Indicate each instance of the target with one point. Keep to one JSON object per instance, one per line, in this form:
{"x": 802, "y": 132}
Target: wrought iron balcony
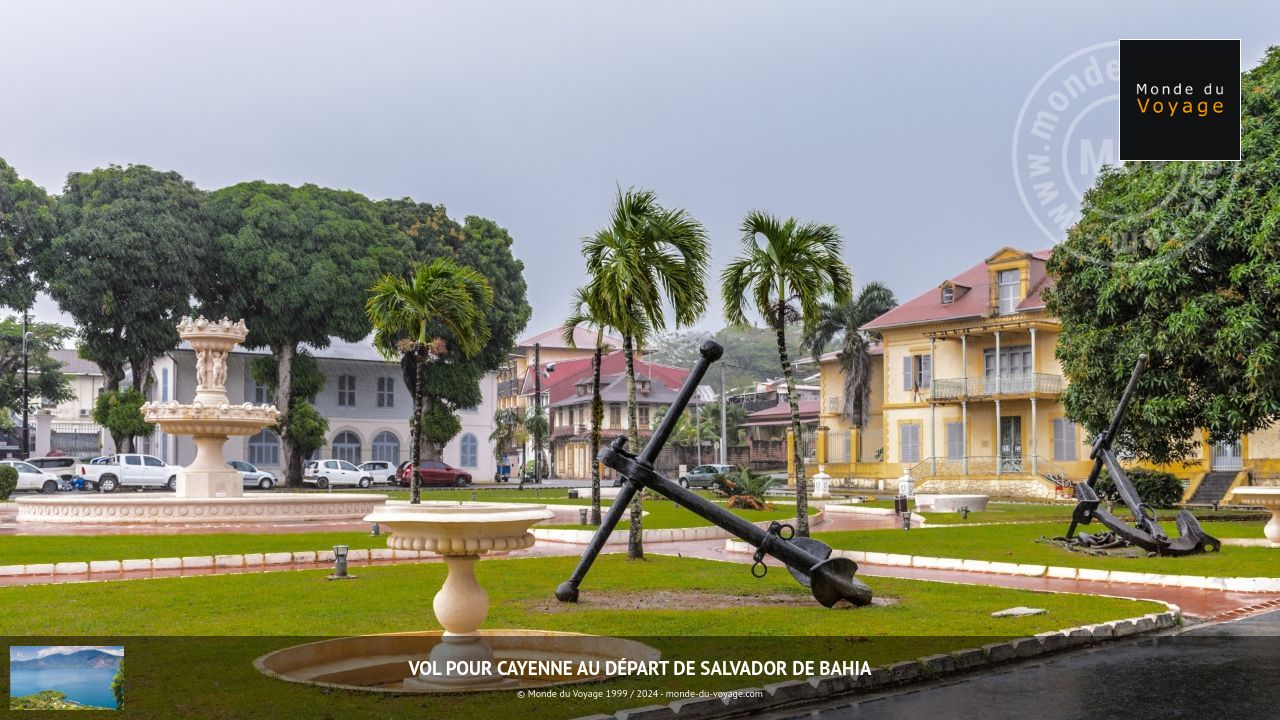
{"x": 1020, "y": 385}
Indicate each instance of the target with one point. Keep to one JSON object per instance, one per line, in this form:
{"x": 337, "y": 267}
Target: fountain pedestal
{"x": 1266, "y": 497}
{"x": 460, "y": 533}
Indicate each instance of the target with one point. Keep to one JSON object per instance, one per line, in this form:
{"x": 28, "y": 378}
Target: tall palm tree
{"x": 586, "y": 311}
{"x": 786, "y": 269}
{"x": 845, "y": 320}
{"x": 646, "y": 258}
{"x": 407, "y": 312}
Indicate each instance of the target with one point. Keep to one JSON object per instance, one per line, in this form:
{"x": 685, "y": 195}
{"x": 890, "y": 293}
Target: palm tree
{"x": 504, "y": 433}
{"x": 586, "y": 311}
{"x": 407, "y": 313}
{"x": 645, "y": 258}
{"x": 786, "y": 277}
{"x": 844, "y": 320}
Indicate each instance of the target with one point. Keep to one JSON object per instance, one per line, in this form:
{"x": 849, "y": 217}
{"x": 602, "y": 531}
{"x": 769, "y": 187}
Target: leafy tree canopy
{"x": 307, "y": 377}
{"x": 120, "y": 412}
{"x": 44, "y": 374}
{"x": 130, "y": 246}
{"x": 1180, "y": 261}
{"x": 750, "y": 353}
{"x": 26, "y": 224}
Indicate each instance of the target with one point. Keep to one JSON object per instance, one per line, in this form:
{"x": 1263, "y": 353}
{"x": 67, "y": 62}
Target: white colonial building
{"x": 364, "y": 399}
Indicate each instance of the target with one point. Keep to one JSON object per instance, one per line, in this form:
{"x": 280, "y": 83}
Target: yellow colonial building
{"x": 965, "y": 398}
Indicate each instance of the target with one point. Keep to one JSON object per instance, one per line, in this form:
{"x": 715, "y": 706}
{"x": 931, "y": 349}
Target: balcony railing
{"x": 986, "y": 466}
{"x": 1006, "y": 385}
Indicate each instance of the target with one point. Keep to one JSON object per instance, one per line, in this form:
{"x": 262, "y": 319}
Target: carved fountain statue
{"x": 208, "y": 490}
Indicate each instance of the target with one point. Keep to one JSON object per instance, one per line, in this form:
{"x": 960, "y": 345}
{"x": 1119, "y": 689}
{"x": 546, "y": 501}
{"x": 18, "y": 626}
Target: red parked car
{"x": 434, "y": 472}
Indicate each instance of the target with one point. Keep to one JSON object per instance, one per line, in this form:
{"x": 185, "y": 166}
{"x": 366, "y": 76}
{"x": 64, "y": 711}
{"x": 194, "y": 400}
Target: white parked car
{"x": 31, "y": 477}
{"x": 381, "y": 470}
{"x": 326, "y": 473}
{"x": 252, "y": 476}
{"x": 64, "y": 466}
{"x": 131, "y": 469}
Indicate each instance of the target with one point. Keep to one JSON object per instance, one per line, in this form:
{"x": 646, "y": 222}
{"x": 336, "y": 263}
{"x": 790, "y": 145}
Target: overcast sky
{"x": 892, "y": 120}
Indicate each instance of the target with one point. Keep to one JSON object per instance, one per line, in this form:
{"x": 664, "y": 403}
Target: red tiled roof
{"x": 783, "y": 411}
{"x": 559, "y": 384}
{"x": 973, "y": 302}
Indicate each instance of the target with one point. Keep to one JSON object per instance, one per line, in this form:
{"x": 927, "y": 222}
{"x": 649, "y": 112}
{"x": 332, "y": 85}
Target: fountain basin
{"x": 168, "y": 508}
{"x": 1266, "y": 497}
{"x": 459, "y": 528}
{"x": 380, "y": 663}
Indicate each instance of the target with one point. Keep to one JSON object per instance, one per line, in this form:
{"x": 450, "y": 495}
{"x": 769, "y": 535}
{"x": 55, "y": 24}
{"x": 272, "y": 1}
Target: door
{"x": 1015, "y": 370}
{"x": 157, "y": 472}
{"x": 132, "y": 472}
{"x": 350, "y": 473}
{"x": 1011, "y": 443}
{"x": 1227, "y": 456}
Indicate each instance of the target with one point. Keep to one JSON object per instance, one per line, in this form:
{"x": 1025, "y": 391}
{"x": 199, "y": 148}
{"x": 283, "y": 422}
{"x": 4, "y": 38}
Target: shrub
{"x": 744, "y": 490}
{"x": 1156, "y": 488}
{"x": 8, "y": 481}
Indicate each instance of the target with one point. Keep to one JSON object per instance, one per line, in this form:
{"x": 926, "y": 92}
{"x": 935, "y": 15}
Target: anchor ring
{"x": 764, "y": 570}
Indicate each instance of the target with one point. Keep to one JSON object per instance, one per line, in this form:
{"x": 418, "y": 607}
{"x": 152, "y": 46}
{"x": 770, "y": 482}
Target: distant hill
{"x": 47, "y": 700}
{"x": 80, "y": 659}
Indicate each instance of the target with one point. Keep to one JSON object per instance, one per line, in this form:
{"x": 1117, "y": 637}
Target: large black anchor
{"x": 1145, "y": 532}
{"x": 830, "y": 579}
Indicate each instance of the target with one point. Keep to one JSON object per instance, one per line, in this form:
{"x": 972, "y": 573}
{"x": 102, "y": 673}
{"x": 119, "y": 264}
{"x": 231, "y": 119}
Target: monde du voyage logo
{"x": 1179, "y": 100}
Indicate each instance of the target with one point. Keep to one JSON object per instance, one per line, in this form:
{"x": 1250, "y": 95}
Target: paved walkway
{"x": 1211, "y": 671}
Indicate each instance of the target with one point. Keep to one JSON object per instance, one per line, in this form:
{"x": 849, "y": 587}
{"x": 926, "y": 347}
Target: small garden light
{"x": 906, "y": 520}
{"x": 473, "y": 495}
{"x": 376, "y": 531}
{"x": 964, "y": 512}
{"x": 582, "y": 513}
{"x": 340, "y": 563}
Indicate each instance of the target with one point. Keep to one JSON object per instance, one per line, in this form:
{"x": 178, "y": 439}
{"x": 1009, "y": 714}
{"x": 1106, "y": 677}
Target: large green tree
{"x": 843, "y": 321}
{"x": 1180, "y": 261}
{"x": 295, "y": 264}
{"x": 307, "y": 427}
{"x": 26, "y": 224}
{"x": 786, "y": 270}
{"x": 131, "y": 245}
{"x": 646, "y": 258}
{"x": 403, "y": 313}
{"x": 485, "y": 247}
{"x": 44, "y": 379}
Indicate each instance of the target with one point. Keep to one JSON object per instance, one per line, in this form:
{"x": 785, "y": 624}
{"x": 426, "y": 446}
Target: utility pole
{"x": 724, "y": 436}
{"x": 26, "y": 390}
{"x": 697, "y": 428}
{"x": 537, "y": 409}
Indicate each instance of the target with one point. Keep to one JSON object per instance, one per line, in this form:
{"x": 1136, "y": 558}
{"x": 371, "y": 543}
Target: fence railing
{"x": 1021, "y": 384}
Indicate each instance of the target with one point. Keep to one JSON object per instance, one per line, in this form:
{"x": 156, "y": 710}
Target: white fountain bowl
{"x": 1267, "y": 497}
{"x": 459, "y": 528}
{"x": 164, "y": 509}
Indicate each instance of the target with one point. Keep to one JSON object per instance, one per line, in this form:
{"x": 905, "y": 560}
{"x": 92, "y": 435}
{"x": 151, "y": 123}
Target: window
{"x": 386, "y": 446}
{"x": 948, "y": 294}
{"x": 1009, "y": 290}
{"x": 467, "y": 456}
{"x": 344, "y": 465}
{"x": 909, "y": 443}
{"x": 152, "y": 461}
{"x": 917, "y": 371}
{"x": 642, "y": 416}
{"x": 346, "y": 446}
{"x": 955, "y": 441}
{"x": 132, "y": 460}
{"x": 260, "y": 394}
{"x": 347, "y": 390}
{"x": 164, "y": 384}
{"x": 615, "y": 416}
{"x": 1064, "y": 439}
{"x": 264, "y": 448}
{"x": 386, "y": 392}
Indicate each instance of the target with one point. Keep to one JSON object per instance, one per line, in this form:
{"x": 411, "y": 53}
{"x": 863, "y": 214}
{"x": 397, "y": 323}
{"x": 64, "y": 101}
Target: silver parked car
{"x": 703, "y": 475}
{"x": 381, "y": 470}
{"x": 252, "y": 476}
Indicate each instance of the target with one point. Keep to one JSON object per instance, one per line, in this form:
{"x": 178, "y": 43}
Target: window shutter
{"x": 926, "y": 371}
{"x": 906, "y": 372}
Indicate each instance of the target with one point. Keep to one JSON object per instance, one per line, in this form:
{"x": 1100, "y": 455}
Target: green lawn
{"x": 212, "y": 676}
{"x": 1018, "y": 543}
{"x": 31, "y": 549}
{"x": 1009, "y": 512}
{"x": 663, "y": 514}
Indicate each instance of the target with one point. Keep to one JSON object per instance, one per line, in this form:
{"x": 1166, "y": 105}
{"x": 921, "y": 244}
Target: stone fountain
{"x": 1265, "y": 497}
{"x": 463, "y": 658}
{"x": 208, "y": 491}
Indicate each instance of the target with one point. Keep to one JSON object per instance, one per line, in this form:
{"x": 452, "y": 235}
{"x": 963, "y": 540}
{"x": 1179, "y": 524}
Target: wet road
{"x": 1212, "y": 672}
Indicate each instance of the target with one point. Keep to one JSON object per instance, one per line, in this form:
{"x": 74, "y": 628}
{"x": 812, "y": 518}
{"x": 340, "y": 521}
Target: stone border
{"x": 128, "y": 508}
{"x": 1233, "y": 584}
{"x": 204, "y": 562}
{"x": 917, "y": 520}
{"x": 690, "y": 534}
{"x": 776, "y": 696}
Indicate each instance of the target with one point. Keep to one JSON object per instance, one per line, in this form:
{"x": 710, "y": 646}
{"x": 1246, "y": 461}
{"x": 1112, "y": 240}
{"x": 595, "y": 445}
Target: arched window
{"x": 386, "y": 446}
{"x": 346, "y": 446}
{"x": 264, "y": 448}
{"x": 468, "y": 451}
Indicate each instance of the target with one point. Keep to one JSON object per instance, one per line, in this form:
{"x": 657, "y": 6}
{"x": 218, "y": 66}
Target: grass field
{"x": 31, "y": 549}
{"x": 1019, "y": 543}
{"x": 212, "y": 676}
{"x": 1009, "y": 512}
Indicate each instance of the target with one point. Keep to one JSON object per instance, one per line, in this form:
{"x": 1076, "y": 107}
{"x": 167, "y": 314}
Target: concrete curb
{"x": 619, "y": 537}
{"x": 107, "y": 568}
{"x": 1233, "y": 584}
{"x": 753, "y": 701}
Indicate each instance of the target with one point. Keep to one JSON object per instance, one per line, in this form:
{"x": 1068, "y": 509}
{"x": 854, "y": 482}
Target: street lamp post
{"x": 26, "y": 390}
{"x": 723, "y": 433}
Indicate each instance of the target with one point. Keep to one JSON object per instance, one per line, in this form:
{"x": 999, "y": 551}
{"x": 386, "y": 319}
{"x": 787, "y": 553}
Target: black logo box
{"x": 1161, "y": 77}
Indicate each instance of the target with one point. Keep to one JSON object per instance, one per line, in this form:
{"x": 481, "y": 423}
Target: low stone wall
{"x": 1018, "y": 487}
{"x": 130, "y": 508}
